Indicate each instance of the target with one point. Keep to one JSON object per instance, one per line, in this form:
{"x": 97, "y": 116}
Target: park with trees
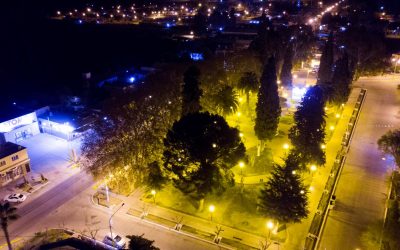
{"x": 220, "y": 133}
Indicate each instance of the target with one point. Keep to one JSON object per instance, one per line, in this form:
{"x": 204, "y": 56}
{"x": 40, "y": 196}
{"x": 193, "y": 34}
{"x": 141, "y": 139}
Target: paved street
{"x": 362, "y": 188}
{"x": 68, "y": 205}
{"x": 298, "y": 232}
{"x": 66, "y": 201}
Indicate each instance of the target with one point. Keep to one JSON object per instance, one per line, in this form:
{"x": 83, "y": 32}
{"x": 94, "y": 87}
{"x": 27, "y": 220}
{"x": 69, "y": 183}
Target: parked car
{"x": 116, "y": 241}
{"x": 15, "y": 198}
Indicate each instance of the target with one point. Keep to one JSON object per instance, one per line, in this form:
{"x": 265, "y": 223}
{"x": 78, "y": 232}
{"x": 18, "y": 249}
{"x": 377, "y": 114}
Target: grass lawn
{"x": 273, "y": 152}
{"x": 232, "y": 208}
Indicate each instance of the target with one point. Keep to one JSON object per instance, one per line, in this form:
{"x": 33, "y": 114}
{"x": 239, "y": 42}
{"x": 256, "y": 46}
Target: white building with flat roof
{"x": 19, "y": 128}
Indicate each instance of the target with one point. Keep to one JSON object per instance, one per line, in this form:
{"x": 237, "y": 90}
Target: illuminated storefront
{"x": 19, "y": 128}
{"x": 63, "y": 130}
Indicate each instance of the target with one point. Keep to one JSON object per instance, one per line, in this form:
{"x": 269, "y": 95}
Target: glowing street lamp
{"x": 270, "y": 226}
{"x": 241, "y": 166}
{"x": 331, "y": 128}
{"x": 153, "y": 192}
{"x": 211, "y": 208}
{"x": 285, "y": 146}
{"x": 337, "y": 116}
{"x": 323, "y": 146}
{"x": 313, "y": 169}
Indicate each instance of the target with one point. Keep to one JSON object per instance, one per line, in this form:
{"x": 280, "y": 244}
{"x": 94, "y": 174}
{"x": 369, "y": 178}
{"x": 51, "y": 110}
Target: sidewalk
{"x": 205, "y": 228}
{"x": 298, "y": 232}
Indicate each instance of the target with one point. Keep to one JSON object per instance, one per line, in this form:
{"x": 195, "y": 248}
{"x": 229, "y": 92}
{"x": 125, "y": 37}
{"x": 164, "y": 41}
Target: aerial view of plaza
{"x": 200, "y": 124}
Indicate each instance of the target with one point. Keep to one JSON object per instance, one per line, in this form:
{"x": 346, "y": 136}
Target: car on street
{"x": 15, "y": 198}
{"x": 115, "y": 241}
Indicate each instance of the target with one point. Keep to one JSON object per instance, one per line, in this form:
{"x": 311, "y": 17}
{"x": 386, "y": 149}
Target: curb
{"x": 180, "y": 232}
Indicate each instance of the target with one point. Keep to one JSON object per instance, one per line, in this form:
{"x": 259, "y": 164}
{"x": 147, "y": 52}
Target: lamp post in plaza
{"x": 153, "y": 192}
{"x": 241, "y": 166}
{"x": 270, "y": 226}
{"x": 211, "y": 208}
{"x": 313, "y": 168}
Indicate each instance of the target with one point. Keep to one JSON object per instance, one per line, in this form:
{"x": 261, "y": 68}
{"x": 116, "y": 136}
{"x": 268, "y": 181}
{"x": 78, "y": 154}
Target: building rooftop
{"x": 9, "y": 148}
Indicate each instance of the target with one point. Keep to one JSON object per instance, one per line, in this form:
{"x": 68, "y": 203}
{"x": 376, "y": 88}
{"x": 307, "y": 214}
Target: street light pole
{"x": 241, "y": 166}
{"x": 211, "y": 208}
{"x": 109, "y": 221}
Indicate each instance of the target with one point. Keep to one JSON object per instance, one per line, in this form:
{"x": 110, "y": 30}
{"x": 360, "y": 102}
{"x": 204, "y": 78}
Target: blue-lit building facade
{"x": 19, "y": 128}
{"x": 64, "y": 124}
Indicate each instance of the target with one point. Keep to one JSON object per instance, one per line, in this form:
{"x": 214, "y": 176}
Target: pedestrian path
{"x": 204, "y": 229}
{"x": 298, "y": 232}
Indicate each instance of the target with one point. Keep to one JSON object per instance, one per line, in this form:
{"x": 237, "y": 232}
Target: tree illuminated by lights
{"x": 200, "y": 150}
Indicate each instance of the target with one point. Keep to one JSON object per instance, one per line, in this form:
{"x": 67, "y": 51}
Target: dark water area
{"x": 42, "y": 58}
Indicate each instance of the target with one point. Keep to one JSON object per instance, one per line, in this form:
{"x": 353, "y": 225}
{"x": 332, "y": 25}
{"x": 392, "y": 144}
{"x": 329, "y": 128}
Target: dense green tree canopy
{"x": 389, "y": 143}
{"x": 7, "y": 213}
{"x": 284, "y": 196}
{"x": 129, "y": 135}
{"x": 200, "y": 150}
{"x": 227, "y": 101}
{"x": 326, "y": 62}
{"x": 308, "y": 133}
{"x": 155, "y": 177}
{"x": 341, "y": 80}
{"x": 268, "y": 109}
{"x": 367, "y": 50}
{"x": 248, "y": 83}
{"x": 286, "y": 72}
{"x": 191, "y": 91}
{"x": 138, "y": 242}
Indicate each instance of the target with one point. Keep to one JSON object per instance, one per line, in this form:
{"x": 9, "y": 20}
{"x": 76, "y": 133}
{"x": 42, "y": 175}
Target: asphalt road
{"x": 362, "y": 188}
{"x": 68, "y": 205}
{"x": 39, "y": 205}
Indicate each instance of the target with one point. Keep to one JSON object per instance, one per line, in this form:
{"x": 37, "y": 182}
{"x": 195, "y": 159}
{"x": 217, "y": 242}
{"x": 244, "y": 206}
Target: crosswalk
{"x": 384, "y": 125}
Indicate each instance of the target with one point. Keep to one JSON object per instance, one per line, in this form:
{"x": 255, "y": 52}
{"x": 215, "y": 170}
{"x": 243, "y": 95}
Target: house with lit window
{"x": 14, "y": 162}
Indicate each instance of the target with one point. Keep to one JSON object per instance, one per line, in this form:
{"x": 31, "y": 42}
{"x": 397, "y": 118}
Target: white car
{"x": 15, "y": 198}
{"x": 116, "y": 241}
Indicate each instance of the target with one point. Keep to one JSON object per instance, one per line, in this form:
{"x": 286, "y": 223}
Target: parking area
{"x": 50, "y": 154}
{"x": 50, "y": 157}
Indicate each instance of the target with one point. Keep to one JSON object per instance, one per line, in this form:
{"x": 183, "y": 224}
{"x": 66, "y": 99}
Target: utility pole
{"x": 109, "y": 221}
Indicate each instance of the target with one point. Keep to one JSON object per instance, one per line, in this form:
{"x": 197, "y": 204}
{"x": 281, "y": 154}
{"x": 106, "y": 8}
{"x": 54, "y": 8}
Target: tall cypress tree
{"x": 326, "y": 62}
{"x": 191, "y": 92}
{"x": 268, "y": 109}
{"x": 284, "y": 196}
{"x": 308, "y": 133}
{"x": 341, "y": 80}
{"x": 286, "y": 72}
